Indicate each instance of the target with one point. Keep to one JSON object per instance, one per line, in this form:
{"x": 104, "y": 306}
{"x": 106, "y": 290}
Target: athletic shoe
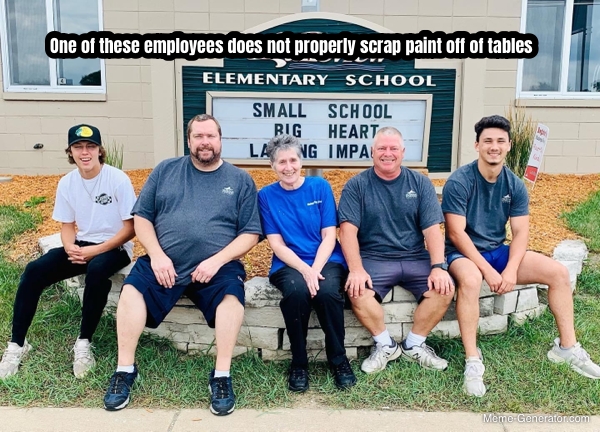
{"x": 298, "y": 379}
{"x": 576, "y": 357}
{"x": 425, "y": 356}
{"x": 222, "y": 398}
{"x": 380, "y": 356}
{"x": 343, "y": 375}
{"x": 84, "y": 359}
{"x": 117, "y": 395}
{"x": 474, "y": 370}
{"x": 12, "y": 357}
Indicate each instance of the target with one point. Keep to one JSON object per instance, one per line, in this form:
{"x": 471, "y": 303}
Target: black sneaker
{"x": 222, "y": 398}
{"x": 117, "y": 395}
{"x": 343, "y": 375}
{"x": 298, "y": 379}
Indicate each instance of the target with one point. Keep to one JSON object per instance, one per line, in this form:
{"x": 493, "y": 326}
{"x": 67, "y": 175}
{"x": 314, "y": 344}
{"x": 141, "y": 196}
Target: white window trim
{"x": 52, "y": 64}
{"x": 564, "y": 67}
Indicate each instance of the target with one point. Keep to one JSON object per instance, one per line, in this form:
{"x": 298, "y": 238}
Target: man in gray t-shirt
{"x": 386, "y": 214}
{"x": 478, "y": 200}
{"x": 196, "y": 216}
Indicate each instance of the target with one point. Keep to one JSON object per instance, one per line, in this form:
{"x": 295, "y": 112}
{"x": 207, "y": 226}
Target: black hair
{"x": 494, "y": 121}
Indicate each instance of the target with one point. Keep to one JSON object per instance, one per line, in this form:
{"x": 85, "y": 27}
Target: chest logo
{"x": 411, "y": 194}
{"x": 103, "y": 199}
{"x": 506, "y": 199}
{"x": 227, "y": 190}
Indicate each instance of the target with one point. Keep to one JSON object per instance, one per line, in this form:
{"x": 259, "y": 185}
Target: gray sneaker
{"x": 380, "y": 356}
{"x": 84, "y": 359}
{"x": 425, "y": 356}
{"x": 474, "y": 369}
{"x": 576, "y": 357}
{"x": 11, "y": 359}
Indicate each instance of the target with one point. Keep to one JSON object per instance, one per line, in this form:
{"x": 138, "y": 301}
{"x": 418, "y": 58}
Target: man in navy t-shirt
{"x": 478, "y": 200}
{"x": 386, "y": 214}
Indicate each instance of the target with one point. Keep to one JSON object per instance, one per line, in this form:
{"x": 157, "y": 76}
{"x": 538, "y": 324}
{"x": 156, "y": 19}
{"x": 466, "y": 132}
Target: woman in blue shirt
{"x": 299, "y": 218}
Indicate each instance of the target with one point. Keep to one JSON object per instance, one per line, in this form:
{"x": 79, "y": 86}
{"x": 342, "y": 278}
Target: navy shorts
{"x": 497, "y": 258}
{"x": 206, "y": 296}
{"x": 410, "y": 275}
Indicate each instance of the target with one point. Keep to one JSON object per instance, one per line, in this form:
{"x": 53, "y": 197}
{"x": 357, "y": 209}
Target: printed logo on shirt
{"x": 227, "y": 191}
{"x": 103, "y": 199}
{"x": 506, "y": 199}
{"x": 314, "y": 202}
{"x": 411, "y": 194}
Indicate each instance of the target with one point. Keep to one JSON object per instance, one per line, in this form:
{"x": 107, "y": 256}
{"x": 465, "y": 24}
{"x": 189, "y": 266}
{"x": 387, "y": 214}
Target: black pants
{"x": 328, "y": 304}
{"x": 55, "y": 266}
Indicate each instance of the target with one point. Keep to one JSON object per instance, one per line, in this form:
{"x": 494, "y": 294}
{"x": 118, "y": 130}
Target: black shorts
{"x": 206, "y": 296}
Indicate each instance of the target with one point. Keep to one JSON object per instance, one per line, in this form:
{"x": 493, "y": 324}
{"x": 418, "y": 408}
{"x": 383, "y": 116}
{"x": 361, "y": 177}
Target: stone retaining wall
{"x": 263, "y": 330}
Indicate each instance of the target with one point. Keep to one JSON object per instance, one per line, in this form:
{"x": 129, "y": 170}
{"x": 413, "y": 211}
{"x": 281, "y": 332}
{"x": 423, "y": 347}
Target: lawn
{"x": 520, "y": 378}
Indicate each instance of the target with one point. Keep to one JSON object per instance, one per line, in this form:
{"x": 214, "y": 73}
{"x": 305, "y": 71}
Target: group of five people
{"x": 197, "y": 216}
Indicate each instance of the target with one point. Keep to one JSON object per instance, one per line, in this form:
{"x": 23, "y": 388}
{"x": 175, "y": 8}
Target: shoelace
{"x": 118, "y": 383}
{"x": 473, "y": 369}
{"x": 375, "y": 350}
{"x": 344, "y": 368}
{"x": 580, "y": 353}
{"x": 12, "y": 356}
{"x": 430, "y": 351}
{"x": 298, "y": 373}
{"x": 83, "y": 352}
{"x": 220, "y": 389}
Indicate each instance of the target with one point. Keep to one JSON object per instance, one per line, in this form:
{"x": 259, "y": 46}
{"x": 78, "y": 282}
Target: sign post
{"x": 537, "y": 154}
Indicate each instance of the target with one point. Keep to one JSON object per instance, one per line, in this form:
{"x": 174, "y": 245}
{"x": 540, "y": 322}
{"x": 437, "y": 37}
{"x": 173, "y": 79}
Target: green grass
{"x": 519, "y": 377}
{"x": 585, "y": 220}
{"x": 14, "y": 222}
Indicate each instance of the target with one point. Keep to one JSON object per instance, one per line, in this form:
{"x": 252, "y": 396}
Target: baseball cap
{"x": 84, "y": 132}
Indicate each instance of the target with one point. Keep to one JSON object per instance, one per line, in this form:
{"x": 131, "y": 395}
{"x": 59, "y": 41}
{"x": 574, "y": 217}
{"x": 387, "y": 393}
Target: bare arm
{"x": 358, "y": 278}
{"x": 161, "y": 264}
{"x": 67, "y": 237}
{"x": 234, "y": 250}
{"x": 439, "y": 279}
{"x": 455, "y": 227}
{"x": 328, "y": 237}
{"x": 518, "y": 246}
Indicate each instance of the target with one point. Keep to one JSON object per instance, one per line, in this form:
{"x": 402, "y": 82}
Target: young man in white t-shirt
{"x": 93, "y": 203}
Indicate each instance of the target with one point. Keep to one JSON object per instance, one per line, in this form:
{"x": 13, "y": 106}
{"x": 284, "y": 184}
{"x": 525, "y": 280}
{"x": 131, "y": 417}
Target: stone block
{"x": 185, "y": 315}
{"x": 486, "y": 306}
{"x": 313, "y": 355}
{"x": 260, "y": 293}
{"x": 181, "y": 346}
{"x": 506, "y": 303}
{"x": 542, "y": 291}
{"x": 400, "y": 294}
{"x": 315, "y": 339}
{"x": 388, "y": 297}
{"x": 210, "y": 349}
{"x": 574, "y": 268}
{"x": 259, "y": 337}
{"x": 446, "y": 329}
{"x": 493, "y": 324}
{"x": 570, "y": 250}
{"x": 49, "y": 242}
{"x": 358, "y": 336}
{"x": 268, "y": 316}
{"x": 519, "y": 318}
{"x": 528, "y": 299}
{"x": 399, "y": 312}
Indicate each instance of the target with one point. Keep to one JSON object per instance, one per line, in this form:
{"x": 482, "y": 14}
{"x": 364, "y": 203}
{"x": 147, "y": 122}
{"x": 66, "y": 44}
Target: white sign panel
{"x": 537, "y": 152}
{"x": 331, "y": 127}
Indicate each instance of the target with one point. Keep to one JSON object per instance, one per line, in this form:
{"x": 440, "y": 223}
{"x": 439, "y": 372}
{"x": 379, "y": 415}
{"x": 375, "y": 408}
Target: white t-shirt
{"x": 98, "y": 206}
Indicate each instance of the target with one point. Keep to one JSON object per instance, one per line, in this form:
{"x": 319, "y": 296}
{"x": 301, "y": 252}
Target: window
{"x": 26, "y": 68}
{"x": 568, "y": 62}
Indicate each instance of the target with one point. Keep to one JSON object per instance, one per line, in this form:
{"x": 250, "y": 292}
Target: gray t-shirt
{"x": 486, "y": 206}
{"x": 196, "y": 214}
{"x": 390, "y": 214}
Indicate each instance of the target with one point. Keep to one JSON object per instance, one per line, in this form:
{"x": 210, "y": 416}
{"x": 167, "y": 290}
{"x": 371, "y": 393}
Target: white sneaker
{"x": 380, "y": 356}
{"x": 425, "y": 356}
{"x": 474, "y": 370}
{"x": 576, "y": 357}
{"x": 84, "y": 359}
{"x": 11, "y": 359}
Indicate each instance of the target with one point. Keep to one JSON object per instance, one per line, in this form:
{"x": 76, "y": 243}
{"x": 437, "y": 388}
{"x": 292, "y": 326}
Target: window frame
{"x": 562, "y": 93}
{"x": 54, "y": 87}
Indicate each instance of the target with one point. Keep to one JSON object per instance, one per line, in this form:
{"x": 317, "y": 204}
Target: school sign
{"x": 333, "y": 106}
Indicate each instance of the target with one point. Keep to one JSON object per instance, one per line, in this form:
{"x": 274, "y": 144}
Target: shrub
{"x": 114, "y": 154}
{"x": 522, "y": 131}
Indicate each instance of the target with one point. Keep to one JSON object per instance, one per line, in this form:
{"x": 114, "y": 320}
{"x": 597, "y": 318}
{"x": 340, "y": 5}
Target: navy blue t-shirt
{"x": 486, "y": 206}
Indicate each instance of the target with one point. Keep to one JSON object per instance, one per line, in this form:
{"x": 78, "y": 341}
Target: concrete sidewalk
{"x": 147, "y": 420}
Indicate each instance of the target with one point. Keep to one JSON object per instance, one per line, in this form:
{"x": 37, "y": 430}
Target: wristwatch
{"x": 442, "y": 266}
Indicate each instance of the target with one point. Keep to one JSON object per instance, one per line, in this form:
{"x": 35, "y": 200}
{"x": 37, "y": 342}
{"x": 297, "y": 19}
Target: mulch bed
{"x": 553, "y": 195}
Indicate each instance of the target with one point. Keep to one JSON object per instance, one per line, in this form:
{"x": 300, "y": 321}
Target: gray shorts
{"x": 410, "y": 275}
